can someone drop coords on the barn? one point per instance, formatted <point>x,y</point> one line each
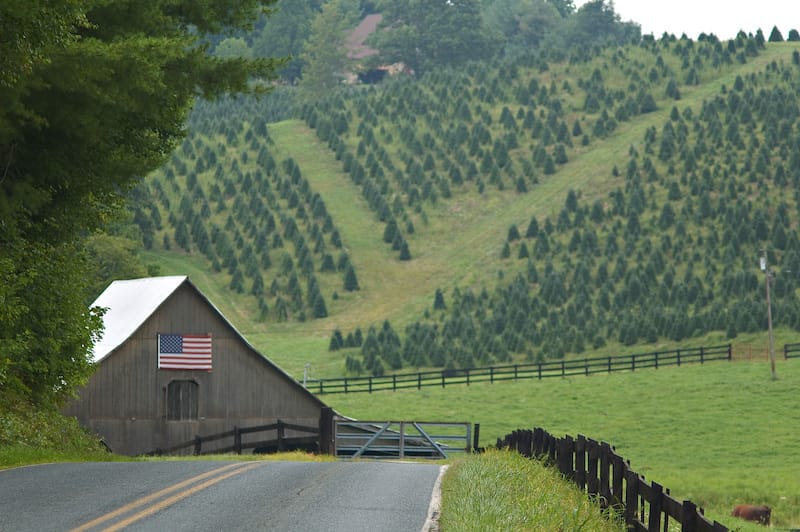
<point>170,367</point>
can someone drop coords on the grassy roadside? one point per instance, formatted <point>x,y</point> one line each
<point>504,491</point>
<point>33,436</point>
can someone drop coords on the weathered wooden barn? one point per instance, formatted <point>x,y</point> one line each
<point>171,367</point>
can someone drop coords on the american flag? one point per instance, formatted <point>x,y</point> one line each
<point>184,351</point>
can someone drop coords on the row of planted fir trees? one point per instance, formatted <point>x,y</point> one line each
<point>668,253</point>
<point>671,253</point>
<point>254,219</point>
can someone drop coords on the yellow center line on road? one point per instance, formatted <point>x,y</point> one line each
<point>178,497</point>
<point>153,496</point>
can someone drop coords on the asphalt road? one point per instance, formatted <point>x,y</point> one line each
<point>166,496</point>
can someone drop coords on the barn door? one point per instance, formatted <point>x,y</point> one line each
<point>182,400</point>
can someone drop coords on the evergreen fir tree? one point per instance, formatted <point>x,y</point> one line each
<point>438,300</point>
<point>350,280</point>
<point>319,309</point>
<point>405,253</point>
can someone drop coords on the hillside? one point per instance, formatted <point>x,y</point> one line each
<point>530,210</point>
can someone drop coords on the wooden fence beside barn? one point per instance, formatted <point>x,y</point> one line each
<point>277,443</point>
<point>536,370</point>
<point>604,475</point>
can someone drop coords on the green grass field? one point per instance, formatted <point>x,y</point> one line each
<point>719,434</point>
<point>524,496</point>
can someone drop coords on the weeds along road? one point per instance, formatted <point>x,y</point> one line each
<point>193,495</point>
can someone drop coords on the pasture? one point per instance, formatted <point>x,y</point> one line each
<point>719,434</point>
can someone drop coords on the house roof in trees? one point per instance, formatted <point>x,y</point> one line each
<point>356,49</point>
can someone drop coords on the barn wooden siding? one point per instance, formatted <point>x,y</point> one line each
<point>125,401</point>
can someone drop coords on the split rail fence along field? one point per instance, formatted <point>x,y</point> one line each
<point>279,443</point>
<point>603,474</point>
<point>791,351</point>
<point>538,370</point>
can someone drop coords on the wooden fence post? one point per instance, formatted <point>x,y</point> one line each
<point>566,453</point>
<point>281,430</point>
<point>617,475</point>
<point>592,452</point>
<point>551,448</point>
<point>605,481</point>
<point>688,517</point>
<point>326,431</point>
<point>580,462</point>
<point>237,440</point>
<point>538,442</point>
<point>656,502</point>
<point>631,496</point>
<point>198,445</point>
<point>476,438</point>
<point>530,443</point>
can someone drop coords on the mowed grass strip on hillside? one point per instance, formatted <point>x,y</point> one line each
<point>719,434</point>
<point>461,242</point>
<point>504,491</point>
<point>459,245</point>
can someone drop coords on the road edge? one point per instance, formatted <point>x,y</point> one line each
<point>435,507</point>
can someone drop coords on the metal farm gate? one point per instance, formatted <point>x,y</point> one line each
<point>400,439</point>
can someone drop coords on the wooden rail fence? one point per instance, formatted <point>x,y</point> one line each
<point>598,470</point>
<point>791,351</point>
<point>279,443</point>
<point>538,370</point>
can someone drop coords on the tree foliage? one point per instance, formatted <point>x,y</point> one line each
<point>324,55</point>
<point>93,95</point>
<point>426,34</point>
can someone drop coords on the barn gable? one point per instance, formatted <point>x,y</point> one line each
<point>136,406</point>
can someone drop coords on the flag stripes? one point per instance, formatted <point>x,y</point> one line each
<point>184,351</point>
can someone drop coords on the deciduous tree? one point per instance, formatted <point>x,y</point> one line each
<point>93,95</point>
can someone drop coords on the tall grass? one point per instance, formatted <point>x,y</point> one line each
<point>505,491</point>
<point>30,435</point>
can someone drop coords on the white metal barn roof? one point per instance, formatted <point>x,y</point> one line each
<point>128,304</point>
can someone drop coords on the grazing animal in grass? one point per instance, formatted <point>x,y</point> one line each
<point>759,513</point>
